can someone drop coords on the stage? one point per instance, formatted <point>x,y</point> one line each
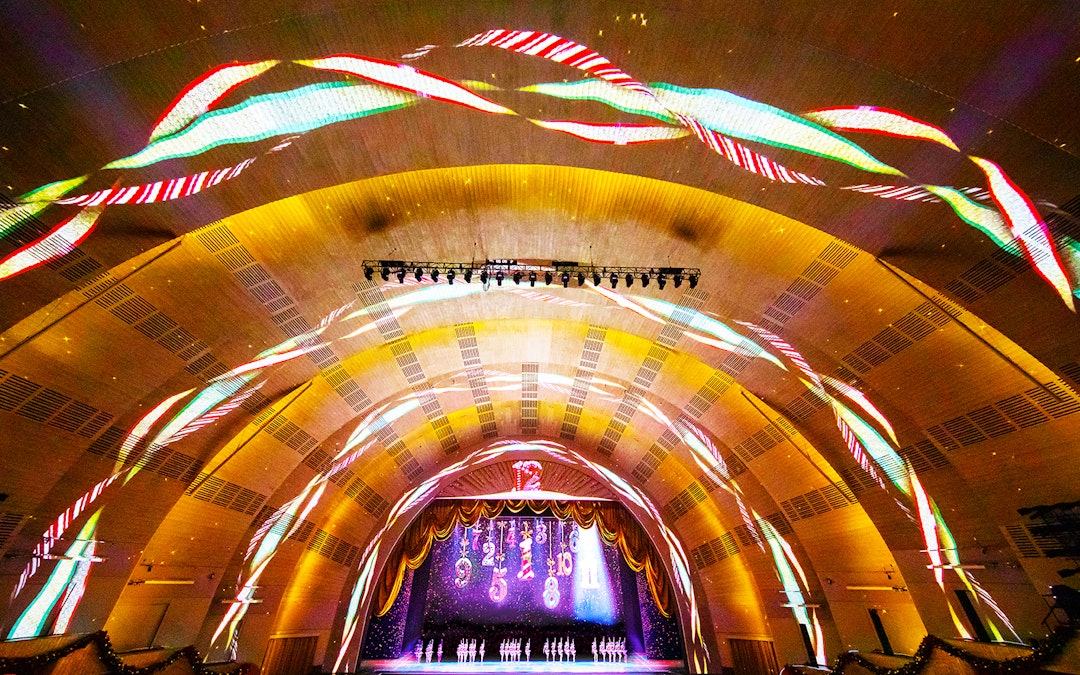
<point>407,666</point>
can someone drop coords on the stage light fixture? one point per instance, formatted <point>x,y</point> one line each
<point>483,276</point>
<point>499,276</point>
<point>548,278</point>
<point>386,274</point>
<point>468,276</point>
<point>419,273</point>
<point>435,275</point>
<point>517,278</point>
<point>661,281</point>
<point>401,276</point>
<point>368,272</point>
<point>644,280</point>
<point>450,276</point>
<point>596,278</point>
<point>693,281</point>
<point>532,278</point>
<point>678,280</point>
<point>614,279</point>
<point>580,279</point>
<point>565,279</point>
<point>629,279</point>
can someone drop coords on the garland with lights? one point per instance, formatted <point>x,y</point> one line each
<point>31,665</point>
<point>1044,651</point>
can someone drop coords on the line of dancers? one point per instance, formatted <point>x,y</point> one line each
<point>604,650</point>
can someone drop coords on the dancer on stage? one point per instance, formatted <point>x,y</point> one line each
<point>528,649</point>
<point>419,651</point>
<point>482,647</point>
<point>547,651</point>
<point>430,650</point>
<point>595,654</point>
<point>439,652</point>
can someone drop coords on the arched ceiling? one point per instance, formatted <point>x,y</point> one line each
<point>858,395</point>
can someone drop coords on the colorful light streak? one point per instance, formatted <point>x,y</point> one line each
<point>201,95</point>
<point>269,115</point>
<point>190,126</point>
<point>59,242</point>
<point>407,78</point>
<point>880,121</point>
<point>873,452</point>
<point>68,577</point>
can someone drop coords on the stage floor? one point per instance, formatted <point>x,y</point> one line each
<point>406,666</point>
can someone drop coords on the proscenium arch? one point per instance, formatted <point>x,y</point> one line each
<point>693,618</point>
<point>751,255</point>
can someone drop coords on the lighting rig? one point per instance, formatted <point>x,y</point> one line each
<point>530,272</point>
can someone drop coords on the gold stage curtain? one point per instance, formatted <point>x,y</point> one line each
<point>438,521</point>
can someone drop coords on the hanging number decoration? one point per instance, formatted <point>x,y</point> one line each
<point>564,557</point>
<point>574,538</point>
<point>526,571</point>
<point>463,567</point>
<point>489,546</point>
<point>541,532</point>
<point>497,590</point>
<point>551,586</point>
<point>511,535</point>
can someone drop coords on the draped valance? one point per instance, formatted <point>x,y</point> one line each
<point>437,522</point>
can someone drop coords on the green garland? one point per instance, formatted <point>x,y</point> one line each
<point>1045,650</point>
<point>31,665</point>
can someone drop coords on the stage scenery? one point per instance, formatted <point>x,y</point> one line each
<point>515,585</point>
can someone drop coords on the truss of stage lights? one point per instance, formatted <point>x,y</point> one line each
<point>529,272</point>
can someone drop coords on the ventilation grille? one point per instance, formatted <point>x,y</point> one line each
<point>216,491</point>
<point>474,370</point>
<point>35,402</point>
<point>650,367</point>
<point>590,357</point>
<point>260,285</point>
<point>759,443</point>
<point>817,502</point>
<point>709,394</point>
<point>682,503</point>
<point>9,525</point>
<point>371,501</point>
<point>155,459</point>
<point>714,550</point>
<point>332,548</point>
<point>1031,408</point>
